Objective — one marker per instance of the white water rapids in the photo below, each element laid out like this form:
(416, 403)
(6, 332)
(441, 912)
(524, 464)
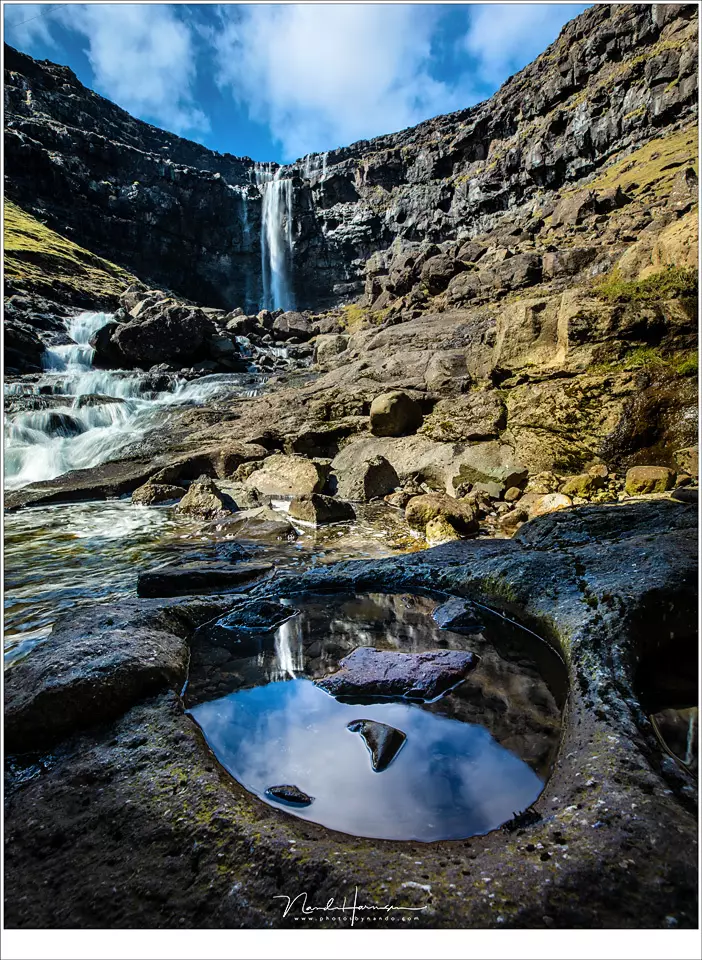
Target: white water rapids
(83, 416)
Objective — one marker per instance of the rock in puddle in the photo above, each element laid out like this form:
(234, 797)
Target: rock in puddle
(458, 615)
(368, 672)
(383, 741)
(256, 616)
(289, 793)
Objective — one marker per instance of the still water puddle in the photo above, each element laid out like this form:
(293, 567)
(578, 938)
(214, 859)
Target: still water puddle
(472, 759)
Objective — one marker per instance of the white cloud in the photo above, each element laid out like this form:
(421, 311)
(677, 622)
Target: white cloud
(142, 56)
(325, 75)
(27, 23)
(504, 37)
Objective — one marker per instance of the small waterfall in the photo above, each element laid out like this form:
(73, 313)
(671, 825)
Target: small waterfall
(314, 166)
(276, 238)
(78, 417)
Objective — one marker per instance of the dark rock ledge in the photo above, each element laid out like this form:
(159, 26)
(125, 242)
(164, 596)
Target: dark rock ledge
(130, 821)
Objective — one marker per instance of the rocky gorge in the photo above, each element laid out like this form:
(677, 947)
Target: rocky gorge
(463, 392)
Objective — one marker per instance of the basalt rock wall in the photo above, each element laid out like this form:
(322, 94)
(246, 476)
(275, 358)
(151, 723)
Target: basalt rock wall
(180, 215)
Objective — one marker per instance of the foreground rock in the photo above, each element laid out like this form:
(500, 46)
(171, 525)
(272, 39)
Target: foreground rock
(368, 672)
(383, 741)
(317, 509)
(154, 790)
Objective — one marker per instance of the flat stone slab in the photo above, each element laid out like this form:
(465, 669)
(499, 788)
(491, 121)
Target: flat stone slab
(383, 741)
(368, 672)
(178, 581)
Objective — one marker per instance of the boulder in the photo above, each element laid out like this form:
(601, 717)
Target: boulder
(478, 415)
(150, 493)
(175, 333)
(688, 459)
(438, 270)
(568, 262)
(573, 209)
(472, 251)
(317, 509)
(487, 463)
(292, 325)
(394, 414)
(329, 346)
(538, 504)
(383, 741)
(260, 525)
(641, 480)
(205, 501)
(255, 616)
(583, 485)
(23, 348)
(367, 479)
(288, 474)
(439, 530)
(368, 672)
(107, 352)
(461, 515)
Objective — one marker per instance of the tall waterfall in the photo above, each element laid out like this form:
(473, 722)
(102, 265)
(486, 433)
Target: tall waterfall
(276, 238)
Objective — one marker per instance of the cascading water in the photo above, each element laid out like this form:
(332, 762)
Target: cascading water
(77, 417)
(276, 238)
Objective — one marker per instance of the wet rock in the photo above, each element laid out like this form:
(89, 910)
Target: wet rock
(383, 741)
(285, 475)
(116, 659)
(459, 615)
(179, 580)
(317, 509)
(288, 793)
(368, 672)
(641, 480)
(367, 479)
(394, 414)
(63, 425)
(260, 524)
(96, 400)
(157, 493)
(461, 515)
(685, 495)
(256, 616)
(205, 500)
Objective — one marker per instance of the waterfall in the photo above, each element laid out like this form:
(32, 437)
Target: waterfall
(276, 238)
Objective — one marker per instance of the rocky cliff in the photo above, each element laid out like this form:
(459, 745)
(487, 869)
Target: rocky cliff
(182, 216)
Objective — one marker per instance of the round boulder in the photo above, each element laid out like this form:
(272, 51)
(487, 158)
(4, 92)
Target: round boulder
(394, 414)
(461, 515)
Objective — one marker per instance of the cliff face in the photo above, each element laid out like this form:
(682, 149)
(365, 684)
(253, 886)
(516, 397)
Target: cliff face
(185, 217)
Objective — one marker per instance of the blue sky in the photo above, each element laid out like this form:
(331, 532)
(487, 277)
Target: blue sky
(275, 82)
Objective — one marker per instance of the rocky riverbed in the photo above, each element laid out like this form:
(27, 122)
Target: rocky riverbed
(396, 592)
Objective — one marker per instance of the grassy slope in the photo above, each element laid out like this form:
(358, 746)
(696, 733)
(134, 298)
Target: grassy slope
(41, 261)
